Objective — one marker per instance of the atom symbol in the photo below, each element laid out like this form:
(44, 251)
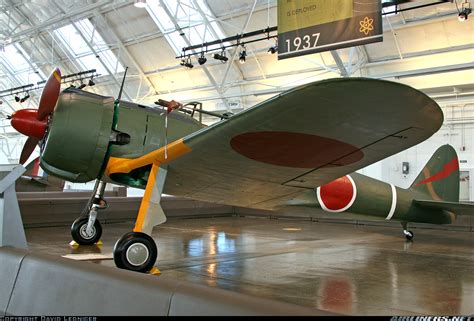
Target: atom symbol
(366, 25)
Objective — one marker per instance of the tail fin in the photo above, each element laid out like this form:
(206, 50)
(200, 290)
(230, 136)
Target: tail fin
(439, 179)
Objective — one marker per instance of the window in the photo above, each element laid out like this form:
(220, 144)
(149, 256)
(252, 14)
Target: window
(188, 16)
(389, 6)
(78, 40)
(20, 64)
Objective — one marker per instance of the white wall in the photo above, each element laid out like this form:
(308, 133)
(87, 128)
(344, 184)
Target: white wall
(457, 130)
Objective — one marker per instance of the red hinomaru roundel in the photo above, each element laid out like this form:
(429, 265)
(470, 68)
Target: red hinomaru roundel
(338, 195)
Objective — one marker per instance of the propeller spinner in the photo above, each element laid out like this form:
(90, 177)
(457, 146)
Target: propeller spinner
(32, 122)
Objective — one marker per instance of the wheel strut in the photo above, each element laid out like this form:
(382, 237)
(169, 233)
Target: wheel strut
(86, 229)
(408, 234)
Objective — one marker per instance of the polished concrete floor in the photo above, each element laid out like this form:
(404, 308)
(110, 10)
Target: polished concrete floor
(343, 268)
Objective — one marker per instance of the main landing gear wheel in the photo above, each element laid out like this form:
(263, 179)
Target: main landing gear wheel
(408, 235)
(80, 234)
(135, 251)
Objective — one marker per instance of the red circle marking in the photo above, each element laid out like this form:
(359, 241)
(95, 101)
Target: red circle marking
(295, 149)
(337, 194)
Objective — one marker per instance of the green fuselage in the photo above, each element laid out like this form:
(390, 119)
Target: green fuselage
(83, 133)
(87, 129)
(376, 198)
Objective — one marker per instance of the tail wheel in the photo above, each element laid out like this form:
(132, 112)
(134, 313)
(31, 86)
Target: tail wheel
(135, 251)
(408, 235)
(79, 231)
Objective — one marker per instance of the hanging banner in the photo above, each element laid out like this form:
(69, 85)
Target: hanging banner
(310, 26)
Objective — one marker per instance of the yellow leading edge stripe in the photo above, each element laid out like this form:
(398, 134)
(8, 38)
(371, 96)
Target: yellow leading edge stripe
(143, 211)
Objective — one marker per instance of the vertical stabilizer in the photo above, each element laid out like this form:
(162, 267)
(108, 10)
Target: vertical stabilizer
(439, 179)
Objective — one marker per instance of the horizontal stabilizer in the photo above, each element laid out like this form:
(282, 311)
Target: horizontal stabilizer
(455, 207)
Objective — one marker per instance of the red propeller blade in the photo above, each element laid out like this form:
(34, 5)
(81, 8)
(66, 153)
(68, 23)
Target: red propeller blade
(50, 94)
(29, 147)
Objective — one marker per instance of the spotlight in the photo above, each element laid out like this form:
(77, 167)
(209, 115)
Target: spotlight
(140, 3)
(202, 60)
(17, 99)
(465, 10)
(464, 14)
(272, 49)
(91, 82)
(25, 98)
(221, 56)
(82, 86)
(242, 55)
(186, 63)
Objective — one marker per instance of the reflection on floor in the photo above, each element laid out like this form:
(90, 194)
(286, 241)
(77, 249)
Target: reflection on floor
(349, 269)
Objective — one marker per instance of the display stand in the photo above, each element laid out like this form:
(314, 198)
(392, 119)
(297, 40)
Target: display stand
(11, 225)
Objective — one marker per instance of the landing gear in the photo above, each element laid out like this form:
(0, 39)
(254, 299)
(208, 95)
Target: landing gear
(86, 229)
(408, 234)
(83, 235)
(135, 251)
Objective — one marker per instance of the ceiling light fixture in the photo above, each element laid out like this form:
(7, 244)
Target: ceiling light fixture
(91, 82)
(82, 86)
(242, 55)
(272, 49)
(464, 14)
(202, 60)
(187, 63)
(465, 10)
(140, 3)
(221, 56)
(25, 98)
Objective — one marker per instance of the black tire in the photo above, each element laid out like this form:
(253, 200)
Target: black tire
(139, 244)
(409, 235)
(78, 232)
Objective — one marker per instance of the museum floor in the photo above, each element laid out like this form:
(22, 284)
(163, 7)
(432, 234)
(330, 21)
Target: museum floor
(343, 268)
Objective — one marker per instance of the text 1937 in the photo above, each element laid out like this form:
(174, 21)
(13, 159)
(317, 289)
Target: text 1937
(302, 43)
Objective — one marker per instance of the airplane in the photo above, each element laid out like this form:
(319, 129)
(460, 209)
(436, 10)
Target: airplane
(297, 149)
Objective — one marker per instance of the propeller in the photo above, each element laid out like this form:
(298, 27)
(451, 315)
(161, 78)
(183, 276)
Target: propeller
(28, 148)
(32, 122)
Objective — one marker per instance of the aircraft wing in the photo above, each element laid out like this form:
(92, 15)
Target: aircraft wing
(457, 208)
(300, 139)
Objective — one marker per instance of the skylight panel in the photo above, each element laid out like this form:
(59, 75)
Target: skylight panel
(392, 9)
(189, 19)
(21, 66)
(74, 40)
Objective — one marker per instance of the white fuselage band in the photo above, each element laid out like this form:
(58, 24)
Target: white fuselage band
(394, 202)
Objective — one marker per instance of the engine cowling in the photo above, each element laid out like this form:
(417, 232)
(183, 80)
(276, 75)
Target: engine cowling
(78, 136)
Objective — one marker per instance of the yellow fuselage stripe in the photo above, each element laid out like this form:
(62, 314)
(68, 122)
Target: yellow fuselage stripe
(125, 165)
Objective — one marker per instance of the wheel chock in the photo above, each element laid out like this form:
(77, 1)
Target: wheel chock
(154, 271)
(75, 244)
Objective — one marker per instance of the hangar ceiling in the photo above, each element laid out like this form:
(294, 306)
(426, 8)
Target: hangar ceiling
(427, 48)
